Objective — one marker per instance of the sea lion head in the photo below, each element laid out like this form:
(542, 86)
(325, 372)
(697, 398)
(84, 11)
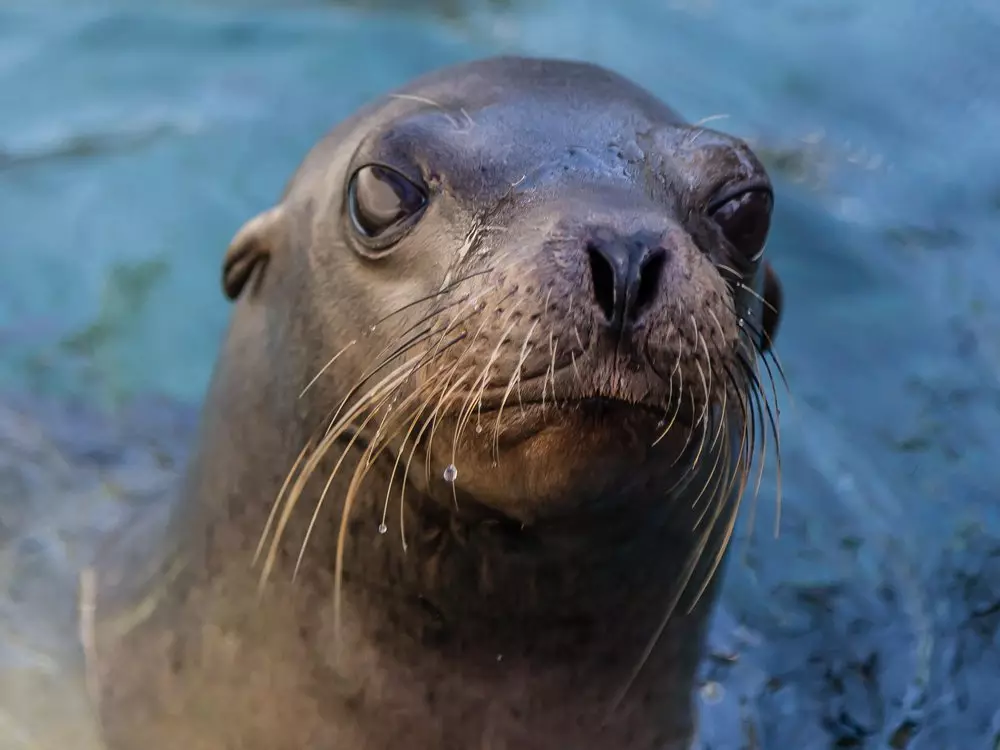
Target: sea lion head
(533, 281)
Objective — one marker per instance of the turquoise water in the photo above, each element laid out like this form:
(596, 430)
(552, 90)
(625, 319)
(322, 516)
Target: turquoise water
(136, 138)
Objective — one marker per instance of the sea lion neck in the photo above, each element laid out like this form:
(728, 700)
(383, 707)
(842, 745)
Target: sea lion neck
(496, 574)
(527, 632)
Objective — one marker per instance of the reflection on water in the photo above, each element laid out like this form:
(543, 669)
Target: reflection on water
(134, 141)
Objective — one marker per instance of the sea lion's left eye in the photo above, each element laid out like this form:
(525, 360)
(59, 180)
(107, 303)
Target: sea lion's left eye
(381, 199)
(745, 219)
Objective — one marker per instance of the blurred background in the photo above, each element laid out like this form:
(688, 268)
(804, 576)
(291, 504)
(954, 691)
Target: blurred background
(136, 137)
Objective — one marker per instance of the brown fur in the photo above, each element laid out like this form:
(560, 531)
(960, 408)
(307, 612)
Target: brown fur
(513, 607)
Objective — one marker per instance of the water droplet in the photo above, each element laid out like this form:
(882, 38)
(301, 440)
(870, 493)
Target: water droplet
(450, 473)
(371, 328)
(382, 528)
(740, 322)
(499, 657)
(479, 428)
(712, 692)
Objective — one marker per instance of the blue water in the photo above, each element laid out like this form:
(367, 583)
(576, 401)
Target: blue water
(136, 138)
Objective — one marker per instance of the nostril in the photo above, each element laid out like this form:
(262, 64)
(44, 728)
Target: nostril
(603, 275)
(649, 282)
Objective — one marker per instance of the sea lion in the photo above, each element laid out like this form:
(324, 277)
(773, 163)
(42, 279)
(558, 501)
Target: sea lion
(476, 438)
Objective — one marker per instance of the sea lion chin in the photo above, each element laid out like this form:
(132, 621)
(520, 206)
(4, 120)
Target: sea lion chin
(477, 436)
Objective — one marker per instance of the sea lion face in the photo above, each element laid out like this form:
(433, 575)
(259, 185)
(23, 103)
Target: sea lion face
(553, 287)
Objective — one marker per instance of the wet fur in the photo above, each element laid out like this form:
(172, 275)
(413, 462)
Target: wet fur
(556, 593)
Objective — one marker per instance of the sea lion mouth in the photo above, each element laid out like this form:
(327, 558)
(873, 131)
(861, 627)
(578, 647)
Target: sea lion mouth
(594, 414)
(596, 408)
(599, 405)
(538, 392)
(646, 400)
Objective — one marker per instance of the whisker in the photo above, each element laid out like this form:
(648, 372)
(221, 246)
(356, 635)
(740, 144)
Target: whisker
(708, 358)
(684, 578)
(707, 402)
(465, 413)
(325, 367)
(670, 399)
(510, 385)
(772, 422)
(445, 400)
(751, 415)
(447, 288)
(526, 349)
(551, 371)
(396, 377)
(326, 488)
(384, 388)
(277, 502)
(744, 461)
(418, 413)
(383, 361)
(380, 357)
(712, 475)
(694, 464)
(770, 354)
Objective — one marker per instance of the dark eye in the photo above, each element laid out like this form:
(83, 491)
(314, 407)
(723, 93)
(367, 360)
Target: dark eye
(745, 219)
(381, 199)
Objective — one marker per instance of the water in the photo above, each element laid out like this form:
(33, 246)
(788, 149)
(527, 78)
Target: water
(136, 138)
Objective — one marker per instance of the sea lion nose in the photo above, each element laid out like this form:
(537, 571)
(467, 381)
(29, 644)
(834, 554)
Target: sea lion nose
(626, 275)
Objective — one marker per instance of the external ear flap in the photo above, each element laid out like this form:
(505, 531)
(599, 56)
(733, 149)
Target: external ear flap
(773, 302)
(251, 249)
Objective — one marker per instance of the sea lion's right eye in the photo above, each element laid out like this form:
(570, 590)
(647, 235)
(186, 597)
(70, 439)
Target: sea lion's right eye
(745, 219)
(381, 200)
